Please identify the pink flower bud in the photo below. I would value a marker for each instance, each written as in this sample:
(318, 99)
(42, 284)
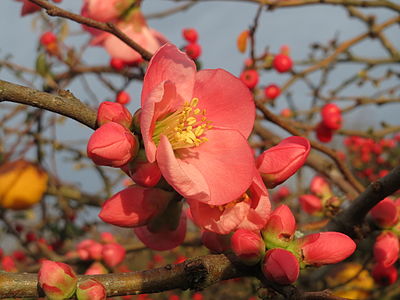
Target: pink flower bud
(384, 276)
(280, 266)
(193, 50)
(319, 186)
(281, 161)
(57, 280)
(134, 206)
(326, 248)
(89, 249)
(113, 112)
(385, 213)
(96, 268)
(113, 254)
(310, 203)
(190, 35)
(107, 237)
(112, 145)
(218, 243)
(280, 228)
(143, 172)
(386, 248)
(248, 246)
(90, 289)
(123, 98)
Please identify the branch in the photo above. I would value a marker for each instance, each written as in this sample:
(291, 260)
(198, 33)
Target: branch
(348, 219)
(55, 11)
(64, 103)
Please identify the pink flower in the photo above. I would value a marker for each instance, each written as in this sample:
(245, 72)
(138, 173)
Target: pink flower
(320, 187)
(113, 254)
(280, 227)
(164, 239)
(310, 203)
(216, 242)
(283, 160)
(248, 246)
(386, 248)
(113, 112)
(57, 280)
(325, 248)
(250, 211)
(193, 129)
(137, 30)
(280, 266)
(385, 213)
(90, 289)
(384, 276)
(112, 145)
(134, 206)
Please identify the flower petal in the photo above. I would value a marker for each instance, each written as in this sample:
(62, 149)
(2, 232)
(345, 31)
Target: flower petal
(228, 102)
(168, 63)
(216, 172)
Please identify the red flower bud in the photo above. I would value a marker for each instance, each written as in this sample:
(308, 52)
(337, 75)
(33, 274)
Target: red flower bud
(280, 228)
(117, 63)
(107, 237)
(112, 145)
(123, 98)
(324, 134)
(113, 112)
(190, 35)
(8, 264)
(280, 266)
(320, 187)
(384, 276)
(134, 206)
(310, 203)
(331, 116)
(113, 254)
(48, 38)
(281, 161)
(325, 248)
(249, 78)
(386, 248)
(385, 213)
(282, 63)
(90, 289)
(272, 91)
(57, 280)
(248, 246)
(218, 243)
(193, 51)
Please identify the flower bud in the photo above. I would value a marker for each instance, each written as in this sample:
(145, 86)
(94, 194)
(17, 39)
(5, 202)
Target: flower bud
(319, 186)
(57, 280)
(385, 214)
(217, 243)
(248, 246)
(280, 266)
(8, 264)
(386, 248)
(112, 145)
(113, 112)
(107, 237)
(96, 268)
(89, 249)
(281, 161)
(281, 194)
(323, 133)
(280, 227)
(310, 203)
(134, 206)
(325, 248)
(113, 254)
(90, 289)
(331, 116)
(190, 34)
(384, 276)
(250, 78)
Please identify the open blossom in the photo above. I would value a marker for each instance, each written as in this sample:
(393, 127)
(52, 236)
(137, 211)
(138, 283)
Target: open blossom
(281, 161)
(250, 211)
(195, 125)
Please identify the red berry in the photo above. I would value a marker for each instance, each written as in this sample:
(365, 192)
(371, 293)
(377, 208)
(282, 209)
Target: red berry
(193, 50)
(123, 98)
(48, 38)
(331, 116)
(324, 134)
(190, 35)
(282, 63)
(249, 78)
(272, 91)
(117, 64)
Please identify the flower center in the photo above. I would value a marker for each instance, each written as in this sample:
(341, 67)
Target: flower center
(245, 197)
(185, 127)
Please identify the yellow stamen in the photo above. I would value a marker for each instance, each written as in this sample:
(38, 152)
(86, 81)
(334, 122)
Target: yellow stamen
(185, 127)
